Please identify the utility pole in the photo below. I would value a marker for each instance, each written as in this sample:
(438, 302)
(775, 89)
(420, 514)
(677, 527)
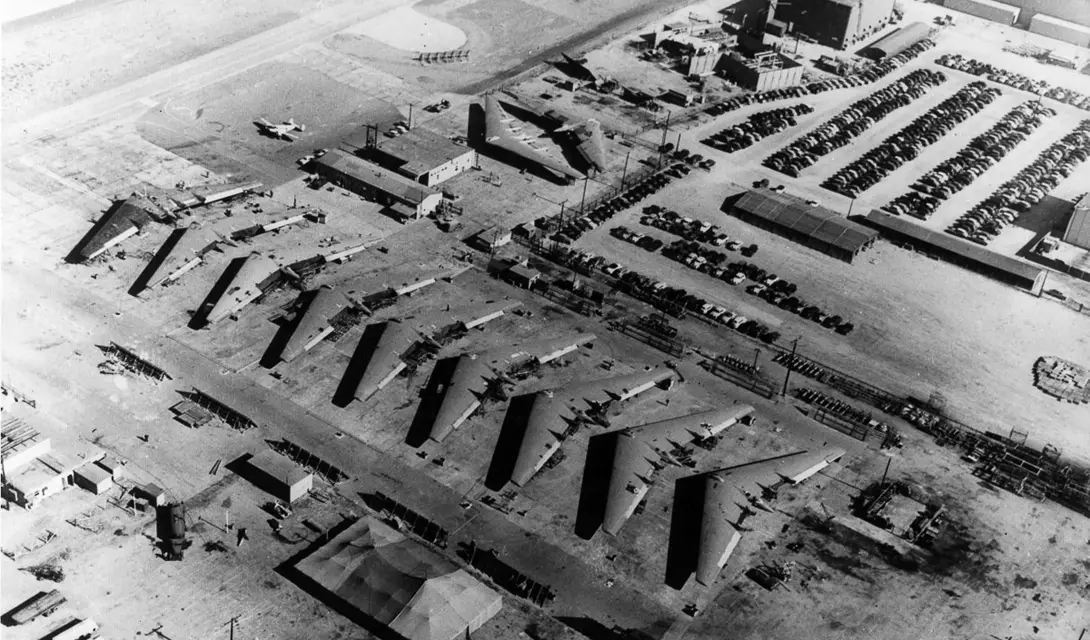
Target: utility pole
(790, 365)
(756, 354)
(662, 145)
(885, 473)
(850, 206)
(583, 200)
(624, 172)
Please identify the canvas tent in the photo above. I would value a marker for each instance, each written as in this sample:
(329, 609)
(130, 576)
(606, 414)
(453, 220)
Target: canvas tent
(400, 583)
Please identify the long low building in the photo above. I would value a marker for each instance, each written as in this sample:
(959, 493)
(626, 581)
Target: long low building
(986, 9)
(1058, 29)
(1003, 268)
(816, 227)
(896, 42)
(411, 200)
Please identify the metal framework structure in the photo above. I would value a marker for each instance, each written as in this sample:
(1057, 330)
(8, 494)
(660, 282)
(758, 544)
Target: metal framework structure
(131, 361)
(419, 525)
(232, 418)
(331, 473)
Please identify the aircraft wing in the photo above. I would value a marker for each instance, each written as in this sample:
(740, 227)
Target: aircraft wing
(316, 322)
(641, 450)
(468, 382)
(385, 362)
(724, 500)
(542, 350)
(591, 145)
(120, 222)
(551, 410)
(183, 254)
(499, 134)
(245, 287)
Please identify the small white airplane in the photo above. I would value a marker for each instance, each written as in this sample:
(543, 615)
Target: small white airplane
(282, 130)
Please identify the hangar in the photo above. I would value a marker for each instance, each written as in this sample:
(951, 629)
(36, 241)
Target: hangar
(1078, 227)
(423, 156)
(833, 23)
(411, 200)
(898, 41)
(375, 571)
(1005, 269)
(816, 227)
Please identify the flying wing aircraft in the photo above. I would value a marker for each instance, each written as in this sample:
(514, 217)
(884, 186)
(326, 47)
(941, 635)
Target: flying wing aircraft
(183, 250)
(709, 508)
(376, 360)
(640, 451)
(282, 130)
(500, 133)
(316, 323)
(252, 278)
(584, 135)
(547, 414)
(458, 384)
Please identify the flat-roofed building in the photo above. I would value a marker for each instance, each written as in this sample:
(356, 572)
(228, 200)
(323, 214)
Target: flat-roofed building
(423, 156)
(280, 476)
(407, 198)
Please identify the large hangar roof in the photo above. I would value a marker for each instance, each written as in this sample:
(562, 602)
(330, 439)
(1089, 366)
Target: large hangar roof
(1078, 228)
(900, 40)
(816, 222)
(971, 252)
(402, 584)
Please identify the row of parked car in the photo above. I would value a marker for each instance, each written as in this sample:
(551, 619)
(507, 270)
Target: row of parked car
(985, 221)
(694, 159)
(906, 144)
(756, 128)
(985, 150)
(870, 75)
(839, 407)
(849, 124)
(685, 227)
(1016, 80)
(780, 293)
(767, 286)
(917, 205)
(672, 300)
(574, 228)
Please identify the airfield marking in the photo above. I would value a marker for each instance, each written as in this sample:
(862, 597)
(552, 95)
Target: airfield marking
(71, 184)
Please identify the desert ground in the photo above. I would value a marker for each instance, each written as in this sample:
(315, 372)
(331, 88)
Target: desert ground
(142, 96)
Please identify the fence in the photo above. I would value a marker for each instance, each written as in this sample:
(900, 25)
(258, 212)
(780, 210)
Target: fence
(670, 346)
(720, 369)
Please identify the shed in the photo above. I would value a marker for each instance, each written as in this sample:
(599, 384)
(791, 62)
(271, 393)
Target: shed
(112, 466)
(280, 476)
(94, 478)
(522, 276)
(153, 493)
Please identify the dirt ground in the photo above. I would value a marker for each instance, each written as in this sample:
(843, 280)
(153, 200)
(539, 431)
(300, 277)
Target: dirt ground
(1006, 566)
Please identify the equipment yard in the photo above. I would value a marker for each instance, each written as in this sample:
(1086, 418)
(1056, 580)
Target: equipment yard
(604, 346)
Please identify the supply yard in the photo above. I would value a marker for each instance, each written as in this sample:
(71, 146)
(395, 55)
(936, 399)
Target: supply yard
(506, 318)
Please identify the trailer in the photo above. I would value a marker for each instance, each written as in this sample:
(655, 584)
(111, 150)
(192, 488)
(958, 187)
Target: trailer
(42, 604)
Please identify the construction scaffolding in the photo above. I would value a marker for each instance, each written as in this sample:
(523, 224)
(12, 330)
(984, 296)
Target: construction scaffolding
(135, 363)
(312, 463)
(232, 418)
(488, 562)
